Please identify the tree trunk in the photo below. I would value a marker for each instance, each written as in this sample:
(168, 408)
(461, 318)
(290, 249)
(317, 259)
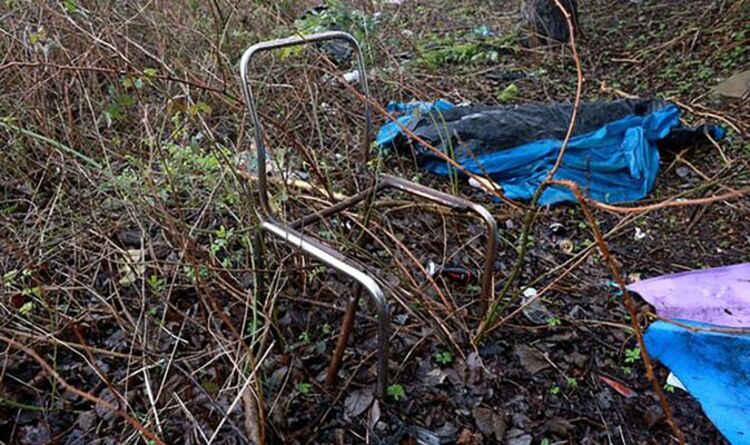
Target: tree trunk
(545, 22)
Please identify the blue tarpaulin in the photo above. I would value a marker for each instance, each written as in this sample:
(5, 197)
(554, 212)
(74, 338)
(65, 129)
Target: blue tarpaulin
(715, 369)
(613, 156)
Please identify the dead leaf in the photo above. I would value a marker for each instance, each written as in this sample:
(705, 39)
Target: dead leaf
(468, 438)
(133, 267)
(357, 402)
(653, 415)
(374, 415)
(435, 377)
(619, 387)
(531, 360)
(559, 426)
(518, 437)
(489, 422)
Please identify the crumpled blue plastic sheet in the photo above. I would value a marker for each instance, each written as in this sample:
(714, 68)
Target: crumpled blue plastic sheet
(715, 369)
(617, 161)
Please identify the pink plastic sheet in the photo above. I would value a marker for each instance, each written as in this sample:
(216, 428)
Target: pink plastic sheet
(718, 296)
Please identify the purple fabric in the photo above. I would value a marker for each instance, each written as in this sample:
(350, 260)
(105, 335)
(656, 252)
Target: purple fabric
(718, 296)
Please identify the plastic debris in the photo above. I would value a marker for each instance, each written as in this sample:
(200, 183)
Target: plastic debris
(613, 155)
(534, 308)
(714, 367)
(639, 234)
(452, 272)
(719, 296)
(672, 380)
(707, 360)
(736, 87)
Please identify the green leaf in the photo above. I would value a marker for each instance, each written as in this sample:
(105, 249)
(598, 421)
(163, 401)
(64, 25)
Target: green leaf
(304, 388)
(508, 94)
(70, 6)
(632, 355)
(26, 308)
(396, 391)
(199, 108)
(443, 358)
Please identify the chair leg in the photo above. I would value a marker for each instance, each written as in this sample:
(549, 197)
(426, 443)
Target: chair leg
(346, 328)
(349, 268)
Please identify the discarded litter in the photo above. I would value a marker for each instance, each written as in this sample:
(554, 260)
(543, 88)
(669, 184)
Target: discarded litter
(613, 155)
(534, 308)
(672, 380)
(639, 234)
(719, 296)
(454, 273)
(715, 369)
(736, 87)
(713, 365)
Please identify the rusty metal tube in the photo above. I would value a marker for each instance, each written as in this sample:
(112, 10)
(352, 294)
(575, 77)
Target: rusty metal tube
(460, 205)
(342, 264)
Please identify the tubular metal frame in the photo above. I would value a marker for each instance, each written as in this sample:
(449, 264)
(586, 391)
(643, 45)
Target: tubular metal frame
(288, 231)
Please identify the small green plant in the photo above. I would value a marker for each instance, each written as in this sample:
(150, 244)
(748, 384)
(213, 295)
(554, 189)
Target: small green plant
(443, 358)
(70, 6)
(545, 441)
(396, 392)
(627, 370)
(336, 15)
(555, 390)
(571, 382)
(190, 273)
(303, 388)
(156, 284)
(466, 48)
(305, 338)
(632, 355)
(508, 94)
(26, 308)
(669, 388)
(35, 291)
(9, 278)
(319, 270)
(221, 239)
(553, 321)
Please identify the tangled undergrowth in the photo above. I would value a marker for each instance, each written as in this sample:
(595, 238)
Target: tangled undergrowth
(130, 310)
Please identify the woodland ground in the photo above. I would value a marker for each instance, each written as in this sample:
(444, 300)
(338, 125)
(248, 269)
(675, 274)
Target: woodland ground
(126, 234)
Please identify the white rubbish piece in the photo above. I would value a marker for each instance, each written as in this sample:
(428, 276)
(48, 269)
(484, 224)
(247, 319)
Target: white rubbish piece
(351, 77)
(674, 381)
(484, 184)
(639, 234)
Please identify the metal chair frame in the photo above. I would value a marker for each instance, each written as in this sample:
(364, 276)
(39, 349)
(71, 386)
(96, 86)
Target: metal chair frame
(287, 231)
